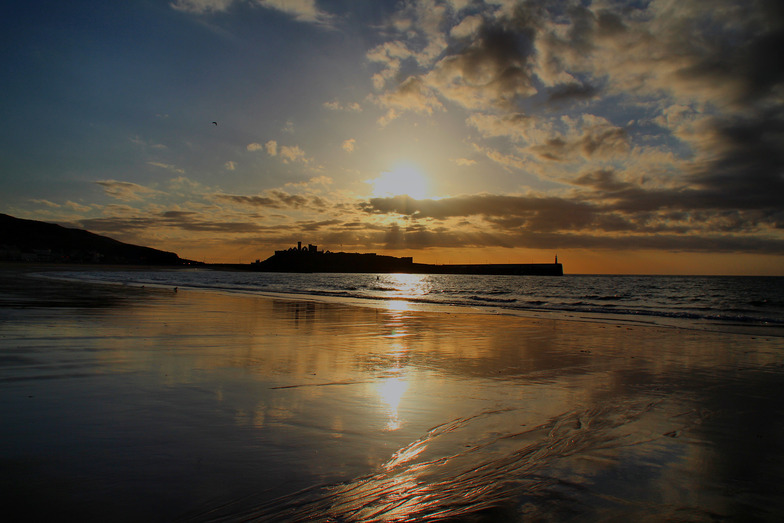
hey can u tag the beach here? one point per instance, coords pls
(130, 403)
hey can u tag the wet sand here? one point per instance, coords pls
(130, 404)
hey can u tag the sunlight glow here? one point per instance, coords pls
(403, 179)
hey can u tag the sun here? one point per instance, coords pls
(403, 179)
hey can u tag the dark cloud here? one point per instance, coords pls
(748, 172)
(186, 221)
(686, 208)
(573, 91)
(398, 237)
(252, 201)
(583, 28)
(601, 141)
(603, 179)
(744, 52)
(480, 204)
(275, 199)
(497, 67)
(310, 226)
(609, 24)
(612, 214)
(117, 225)
(178, 214)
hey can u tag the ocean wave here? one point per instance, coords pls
(493, 300)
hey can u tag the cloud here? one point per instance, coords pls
(515, 126)
(389, 116)
(617, 214)
(144, 144)
(464, 162)
(230, 165)
(506, 160)
(201, 6)
(78, 207)
(271, 147)
(603, 180)
(425, 237)
(287, 153)
(594, 140)
(300, 10)
(312, 226)
(275, 199)
(495, 70)
(391, 55)
(571, 91)
(180, 220)
(334, 105)
(125, 191)
(748, 170)
(467, 27)
(315, 181)
(45, 203)
(411, 95)
(292, 154)
(480, 204)
(349, 145)
(167, 166)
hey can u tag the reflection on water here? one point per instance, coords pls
(406, 286)
(214, 407)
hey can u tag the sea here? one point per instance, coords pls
(735, 303)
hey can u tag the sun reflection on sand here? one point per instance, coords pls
(391, 391)
(398, 305)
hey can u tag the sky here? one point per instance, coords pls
(624, 136)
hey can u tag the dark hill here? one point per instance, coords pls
(30, 240)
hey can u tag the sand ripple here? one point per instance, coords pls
(450, 473)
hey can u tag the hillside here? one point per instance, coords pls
(35, 241)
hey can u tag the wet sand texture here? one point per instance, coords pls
(127, 404)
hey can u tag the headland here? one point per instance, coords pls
(32, 241)
(311, 259)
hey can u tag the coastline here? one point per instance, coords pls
(154, 404)
(412, 292)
